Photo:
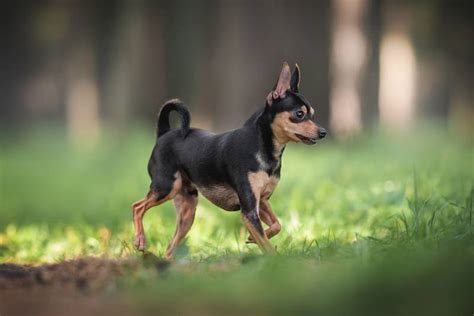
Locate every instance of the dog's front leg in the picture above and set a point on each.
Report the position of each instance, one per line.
(249, 210)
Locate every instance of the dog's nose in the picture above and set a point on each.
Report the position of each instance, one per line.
(322, 132)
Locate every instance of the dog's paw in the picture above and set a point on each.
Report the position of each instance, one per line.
(250, 240)
(140, 243)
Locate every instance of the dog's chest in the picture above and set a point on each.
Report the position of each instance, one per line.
(262, 184)
(271, 166)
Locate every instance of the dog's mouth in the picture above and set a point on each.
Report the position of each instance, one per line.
(307, 140)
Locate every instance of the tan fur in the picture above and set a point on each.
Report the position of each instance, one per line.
(262, 185)
(221, 195)
(283, 83)
(284, 129)
(140, 207)
(258, 182)
(185, 205)
(270, 187)
(268, 217)
(262, 241)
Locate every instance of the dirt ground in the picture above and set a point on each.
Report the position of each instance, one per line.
(75, 287)
(80, 274)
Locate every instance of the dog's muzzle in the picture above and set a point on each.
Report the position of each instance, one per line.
(322, 132)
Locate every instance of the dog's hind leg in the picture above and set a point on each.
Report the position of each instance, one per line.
(160, 192)
(185, 202)
(268, 217)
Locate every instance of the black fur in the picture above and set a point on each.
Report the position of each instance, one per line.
(295, 79)
(212, 159)
(208, 160)
(163, 124)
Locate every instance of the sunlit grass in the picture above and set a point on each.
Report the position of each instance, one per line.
(335, 198)
(378, 224)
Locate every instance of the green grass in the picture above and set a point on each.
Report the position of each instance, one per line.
(363, 220)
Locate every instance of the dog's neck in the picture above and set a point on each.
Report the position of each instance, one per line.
(271, 148)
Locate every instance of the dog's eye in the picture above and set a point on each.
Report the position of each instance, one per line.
(299, 114)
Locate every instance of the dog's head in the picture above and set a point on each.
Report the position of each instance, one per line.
(292, 115)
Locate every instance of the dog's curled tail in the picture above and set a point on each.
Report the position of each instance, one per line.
(164, 117)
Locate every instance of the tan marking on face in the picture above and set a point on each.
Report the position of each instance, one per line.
(304, 109)
(284, 129)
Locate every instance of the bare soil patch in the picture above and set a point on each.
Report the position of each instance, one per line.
(73, 287)
(80, 274)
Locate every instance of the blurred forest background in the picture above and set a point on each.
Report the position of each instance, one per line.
(378, 215)
(91, 65)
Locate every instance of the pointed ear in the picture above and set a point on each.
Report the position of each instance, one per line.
(283, 83)
(295, 79)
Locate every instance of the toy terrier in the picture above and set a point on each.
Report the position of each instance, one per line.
(235, 170)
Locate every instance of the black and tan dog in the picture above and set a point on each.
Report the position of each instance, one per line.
(235, 170)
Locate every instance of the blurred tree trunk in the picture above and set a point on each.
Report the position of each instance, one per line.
(188, 25)
(231, 67)
(458, 56)
(149, 84)
(397, 69)
(124, 62)
(348, 65)
(370, 83)
(81, 89)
